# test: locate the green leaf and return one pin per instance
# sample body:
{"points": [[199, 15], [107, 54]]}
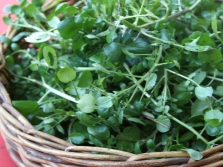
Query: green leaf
{"points": [[87, 103], [53, 23], [137, 149], [5, 39], [66, 74], [136, 120], [85, 79], [104, 102], [215, 29], [164, 124], [150, 144], [95, 141], [151, 81], [38, 37], [114, 53], [113, 123], [48, 107], [198, 107], [120, 116], [60, 129], [48, 120], [68, 25], [213, 117], [213, 131], [101, 132], [77, 138], [30, 10], [182, 97], [203, 92], [26, 107], [199, 76], [186, 137], [50, 56], [219, 90], [85, 119], [212, 56], [194, 154], [61, 8], [111, 34]]}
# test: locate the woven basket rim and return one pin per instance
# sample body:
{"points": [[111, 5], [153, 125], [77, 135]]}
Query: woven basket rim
{"points": [[36, 148]]}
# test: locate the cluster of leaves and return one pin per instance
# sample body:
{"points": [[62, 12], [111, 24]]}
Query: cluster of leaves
{"points": [[138, 76]]}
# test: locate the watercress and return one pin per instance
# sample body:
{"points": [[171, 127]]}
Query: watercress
{"points": [[137, 76]]}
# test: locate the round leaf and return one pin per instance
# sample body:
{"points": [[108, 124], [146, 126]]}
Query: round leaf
{"points": [[203, 92], [104, 102], [66, 74], [164, 123], [86, 103]]}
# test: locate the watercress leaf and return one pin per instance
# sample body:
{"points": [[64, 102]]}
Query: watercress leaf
{"points": [[213, 117], [186, 137], [151, 81], [113, 123], [67, 25], [48, 120], [194, 154], [95, 141], [219, 90], [150, 144], [48, 107], [85, 119], [199, 76], [61, 8], [182, 97], [87, 103], [212, 56], [215, 29], [71, 10], [50, 56], [85, 79], [60, 129], [30, 10], [137, 149], [104, 101], [111, 34], [77, 138], [163, 124], [5, 39], [54, 22], [38, 37], [114, 53], [212, 131], [196, 48], [203, 92], [101, 132], [26, 107], [66, 74], [198, 107], [7, 20], [16, 9], [136, 120], [120, 116]]}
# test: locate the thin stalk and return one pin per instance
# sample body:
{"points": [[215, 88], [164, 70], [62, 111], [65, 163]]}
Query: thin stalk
{"points": [[140, 12], [180, 13], [182, 76], [188, 127]]}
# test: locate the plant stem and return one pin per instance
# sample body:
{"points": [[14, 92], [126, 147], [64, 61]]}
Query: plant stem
{"points": [[188, 127], [182, 12], [182, 76], [140, 12]]}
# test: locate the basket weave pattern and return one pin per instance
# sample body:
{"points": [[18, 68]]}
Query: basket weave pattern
{"points": [[37, 149]]}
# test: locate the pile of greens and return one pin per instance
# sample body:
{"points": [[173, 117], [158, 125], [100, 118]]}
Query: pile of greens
{"points": [[139, 76]]}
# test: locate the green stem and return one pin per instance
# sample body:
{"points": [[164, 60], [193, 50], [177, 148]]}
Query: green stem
{"points": [[188, 127], [180, 13], [182, 76], [140, 12], [42, 98], [215, 140]]}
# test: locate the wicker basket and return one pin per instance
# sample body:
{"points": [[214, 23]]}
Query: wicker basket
{"points": [[29, 147]]}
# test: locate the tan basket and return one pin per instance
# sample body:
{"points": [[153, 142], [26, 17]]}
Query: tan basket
{"points": [[32, 148]]}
